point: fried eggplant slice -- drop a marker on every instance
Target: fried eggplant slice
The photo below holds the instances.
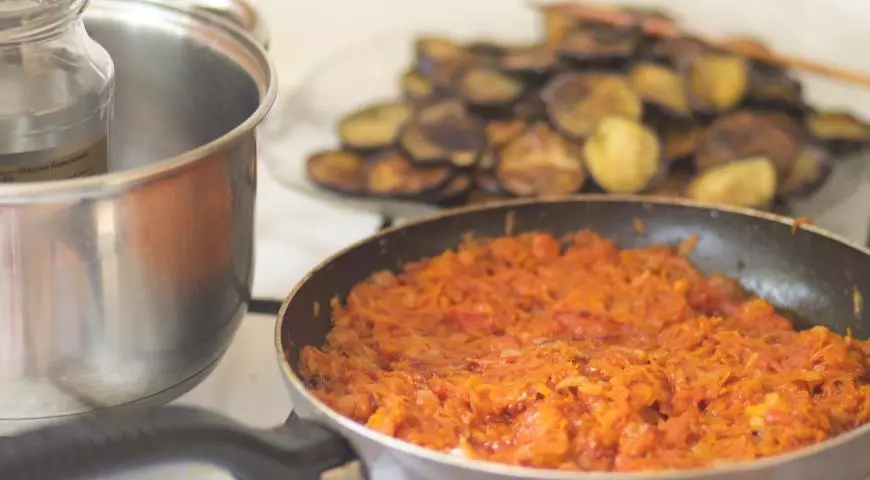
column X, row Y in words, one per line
column 489, row 159
column 540, row 162
column 717, row 82
column 375, row 127
column 772, row 87
column 456, row 191
column 576, row 102
column 486, row 52
column 487, row 88
column 678, row 53
column 441, row 60
column 776, row 90
column 680, row 141
column 338, row 170
column 530, row 62
column 642, row 13
column 661, row 88
column 391, row 174
column 499, row 132
column 623, row 156
column 745, row 134
column 416, row 87
column 674, row 186
column 751, row 183
column 810, row 171
column 443, row 133
column 557, row 23
column 599, row 46
column 445, row 74
column 531, row 107
column 486, row 181
column 430, row 49
column 478, row 197
column 792, row 126
column 441, row 110
column 484, row 176
column 840, row 132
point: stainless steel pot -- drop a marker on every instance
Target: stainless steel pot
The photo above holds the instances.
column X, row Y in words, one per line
column 241, row 12
column 760, row 250
column 128, row 287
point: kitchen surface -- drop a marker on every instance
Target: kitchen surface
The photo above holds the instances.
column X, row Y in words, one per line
column 294, row 231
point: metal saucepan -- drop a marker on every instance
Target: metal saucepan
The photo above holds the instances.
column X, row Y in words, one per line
column 241, row 12
column 808, row 272
column 129, row 286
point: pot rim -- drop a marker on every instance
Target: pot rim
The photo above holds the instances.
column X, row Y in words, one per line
column 326, row 413
column 107, row 184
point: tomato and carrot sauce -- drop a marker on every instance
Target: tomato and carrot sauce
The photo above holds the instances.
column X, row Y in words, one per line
column 523, row 351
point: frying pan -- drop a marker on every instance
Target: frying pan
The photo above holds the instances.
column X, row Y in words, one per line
column 809, row 272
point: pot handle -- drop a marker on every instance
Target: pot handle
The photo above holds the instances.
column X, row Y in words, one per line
column 102, row 444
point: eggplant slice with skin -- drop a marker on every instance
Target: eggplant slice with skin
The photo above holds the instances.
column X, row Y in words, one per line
column 576, row 101
column 499, row 132
column 662, row 88
column 479, row 197
column 487, row 182
column 540, row 162
column 745, row 134
column 489, row 159
column 441, row 60
column 600, row 46
column 455, row 192
column 680, row 141
column 678, row 53
column 391, row 174
column 623, row 156
column 530, row 62
column 484, row 176
column 443, row 133
column 486, row 52
column 487, row 88
column 750, row 182
column 375, row 127
column 338, row 171
column 431, row 49
column 557, row 22
column 774, row 89
column 810, row 171
column 674, row 186
column 717, row 82
column 840, row 132
column 531, row 107
column 416, row 87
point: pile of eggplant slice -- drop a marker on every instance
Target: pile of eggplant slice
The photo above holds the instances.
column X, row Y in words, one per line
column 590, row 108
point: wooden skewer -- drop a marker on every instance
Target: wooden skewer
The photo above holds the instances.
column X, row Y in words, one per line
column 666, row 29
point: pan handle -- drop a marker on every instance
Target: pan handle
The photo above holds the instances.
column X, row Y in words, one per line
column 102, row 444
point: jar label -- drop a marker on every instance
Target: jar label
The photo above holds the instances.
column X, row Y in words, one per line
column 48, row 165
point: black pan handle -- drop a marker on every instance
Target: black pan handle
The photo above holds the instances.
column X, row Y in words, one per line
column 102, row 444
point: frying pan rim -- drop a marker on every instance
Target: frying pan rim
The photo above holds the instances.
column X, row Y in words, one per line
column 482, row 466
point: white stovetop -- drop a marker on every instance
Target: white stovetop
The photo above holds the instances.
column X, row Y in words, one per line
column 246, row 385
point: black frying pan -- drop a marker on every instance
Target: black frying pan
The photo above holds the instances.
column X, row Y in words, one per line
column 810, row 273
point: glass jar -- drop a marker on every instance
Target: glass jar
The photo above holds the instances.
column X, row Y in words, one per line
column 56, row 93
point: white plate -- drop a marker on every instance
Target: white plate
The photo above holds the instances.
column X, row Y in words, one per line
column 369, row 71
